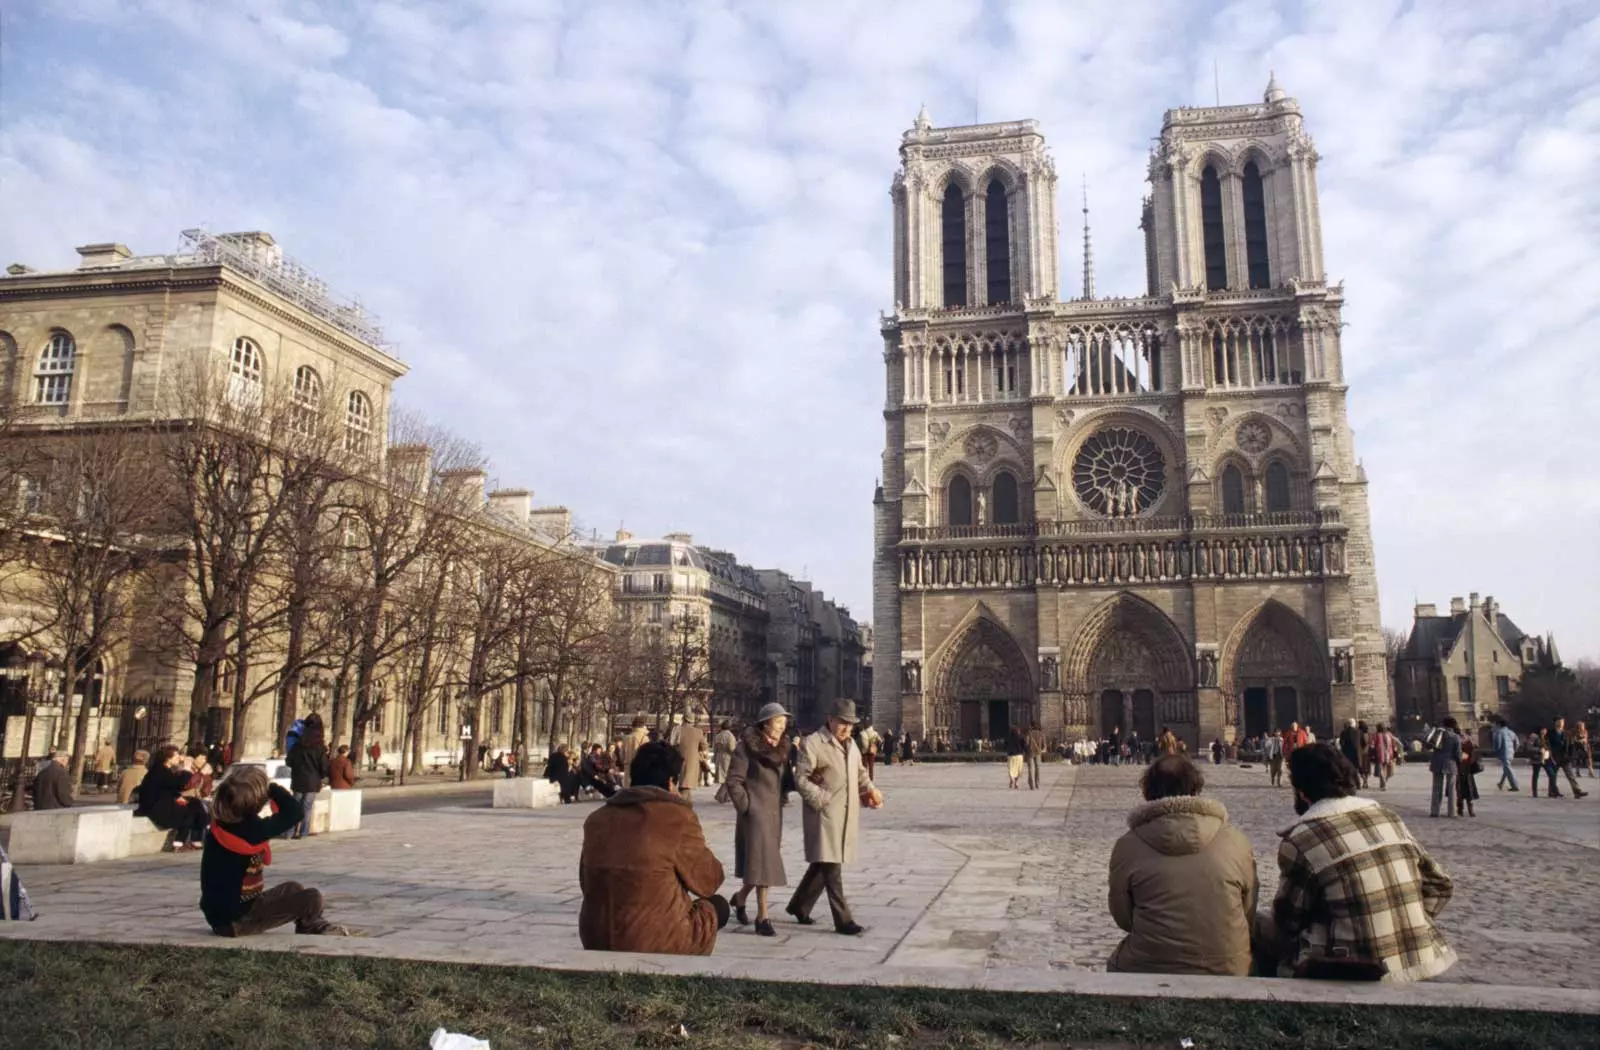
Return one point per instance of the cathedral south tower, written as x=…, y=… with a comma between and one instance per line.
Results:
x=1125, y=513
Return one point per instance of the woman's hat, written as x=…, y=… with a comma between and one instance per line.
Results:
x=771, y=711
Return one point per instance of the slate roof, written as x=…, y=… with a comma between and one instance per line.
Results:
x=1428, y=633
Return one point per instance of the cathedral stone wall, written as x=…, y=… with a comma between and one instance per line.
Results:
x=1121, y=513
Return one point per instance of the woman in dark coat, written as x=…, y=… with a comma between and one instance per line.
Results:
x=1467, y=777
x=161, y=799
x=755, y=787
x=309, y=767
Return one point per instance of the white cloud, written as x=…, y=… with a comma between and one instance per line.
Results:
x=637, y=251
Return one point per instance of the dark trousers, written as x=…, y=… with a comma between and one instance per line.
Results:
x=286, y=903
x=821, y=877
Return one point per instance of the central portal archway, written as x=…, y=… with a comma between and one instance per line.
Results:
x=983, y=686
x=1129, y=671
x=1275, y=674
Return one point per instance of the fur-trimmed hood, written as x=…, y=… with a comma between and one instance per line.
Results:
x=1178, y=825
x=755, y=742
x=644, y=794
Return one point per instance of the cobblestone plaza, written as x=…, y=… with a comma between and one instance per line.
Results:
x=961, y=882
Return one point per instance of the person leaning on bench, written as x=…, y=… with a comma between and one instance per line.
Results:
x=233, y=897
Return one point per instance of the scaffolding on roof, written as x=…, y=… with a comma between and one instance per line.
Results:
x=268, y=265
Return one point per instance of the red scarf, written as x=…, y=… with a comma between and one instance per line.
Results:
x=260, y=855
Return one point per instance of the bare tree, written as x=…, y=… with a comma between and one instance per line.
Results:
x=97, y=530
x=675, y=665
x=421, y=502
x=565, y=602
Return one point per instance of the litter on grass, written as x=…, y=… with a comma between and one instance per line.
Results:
x=443, y=1040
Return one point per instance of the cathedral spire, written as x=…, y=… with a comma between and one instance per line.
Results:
x=1088, y=250
x=923, y=122
x=1274, y=93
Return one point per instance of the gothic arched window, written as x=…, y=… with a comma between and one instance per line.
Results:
x=1211, y=224
x=1005, y=498
x=1255, y=227
x=959, y=511
x=1232, y=490
x=1277, y=487
x=358, y=422
x=997, y=238
x=953, y=220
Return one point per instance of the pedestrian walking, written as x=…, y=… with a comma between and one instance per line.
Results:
x=1272, y=751
x=1216, y=751
x=105, y=764
x=1445, y=765
x=834, y=786
x=1582, y=749
x=1036, y=746
x=755, y=787
x=1382, y=755
x=1350, y=744
x=637, y=737
x=1364, y=752
x=374, y=753
x=689, y=739
x=1467, y=777
x=870, y=742
x=308, y=768
x=722, y=748
x=1504, y=743
x=1562, y=754
x=1016, y=755
x=1539, y=761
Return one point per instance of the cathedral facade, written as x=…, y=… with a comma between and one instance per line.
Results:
x=1130, y=513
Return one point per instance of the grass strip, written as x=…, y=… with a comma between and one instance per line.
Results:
x=116, y=997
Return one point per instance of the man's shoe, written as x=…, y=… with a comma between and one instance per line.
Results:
x=1579, y=793
x=1515, y=788
x=803, y=920
x=850, y=929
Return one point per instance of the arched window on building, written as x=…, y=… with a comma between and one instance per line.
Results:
x=52, y=379
x=959, y=497
x=244, y=374
x=358, y=422
x=1005, y=499
x=1232, y=490
x=997, y=239
x=1278, y=498
x=953, y=223
x=1211, y=224
x=307, y=398
x=1255, y=228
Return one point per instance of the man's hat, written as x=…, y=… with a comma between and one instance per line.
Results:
x=844, y=711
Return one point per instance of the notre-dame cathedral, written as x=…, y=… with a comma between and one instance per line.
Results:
x=1120, y=512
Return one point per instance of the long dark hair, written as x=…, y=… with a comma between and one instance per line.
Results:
x=312, y=734
x=161, y=756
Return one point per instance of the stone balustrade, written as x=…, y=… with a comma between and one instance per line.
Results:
x=1155, y=524
x=1037, y=562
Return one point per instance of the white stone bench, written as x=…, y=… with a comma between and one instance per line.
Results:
x=89, y=834
x=525, y=793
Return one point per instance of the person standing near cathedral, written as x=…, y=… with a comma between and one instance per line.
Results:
x=1504, y=742
x=870, y=741
x=637, y=737
x=1036, y=745
x=834, y=787
x=1272, y=751
x=1383, y=750
x=1016, y=753
x=1561, y=758
x=690, y=740
x=1445, y=766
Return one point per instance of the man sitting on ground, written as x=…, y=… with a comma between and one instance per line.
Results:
x=1183, y=880
x=342, y=770
x=239, y=849
x=1357, y=896
x=642, y=850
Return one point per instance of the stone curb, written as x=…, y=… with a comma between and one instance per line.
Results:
x=1430, y=995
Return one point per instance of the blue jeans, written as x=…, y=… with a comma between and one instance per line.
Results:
x=1506, y=774
x=308, y=802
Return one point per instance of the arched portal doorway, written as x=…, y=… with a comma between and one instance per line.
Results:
x=983, y=686
x=1129, y=671
x=1275, y=674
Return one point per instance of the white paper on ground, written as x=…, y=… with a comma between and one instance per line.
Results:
x=443, y=1040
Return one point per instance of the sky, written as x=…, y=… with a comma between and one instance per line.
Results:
x=636, y=251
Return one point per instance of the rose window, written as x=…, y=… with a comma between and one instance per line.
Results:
x=1119, y=472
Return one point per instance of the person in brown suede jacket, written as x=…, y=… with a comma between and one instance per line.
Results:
x=649, y=880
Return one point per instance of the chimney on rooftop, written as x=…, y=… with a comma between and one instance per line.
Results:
x=1426, y=609
x=1491, y=608
x=468, y=482
x=1472, y=601
x=679, y=537
x=555, y=522
x=411, y=464
x=623, y=535
x=107, y=254
x=1457, y=606
x=511, y=504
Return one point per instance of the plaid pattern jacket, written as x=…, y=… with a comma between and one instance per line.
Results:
x=1354, y=885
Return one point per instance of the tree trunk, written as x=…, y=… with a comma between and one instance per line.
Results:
x=289, y=679
x=80, y=735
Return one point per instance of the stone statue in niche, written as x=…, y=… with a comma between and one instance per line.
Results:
x=911, y=676
x=983, y=508
x=1208, y=669
x=1049, y=674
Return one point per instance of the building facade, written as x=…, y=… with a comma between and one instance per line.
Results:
x=120, y=341
x=1467, y=664
x=1130, y=512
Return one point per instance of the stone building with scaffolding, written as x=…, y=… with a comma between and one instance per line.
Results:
x=1120, y=513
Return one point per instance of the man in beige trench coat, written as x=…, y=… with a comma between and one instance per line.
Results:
x=834, y=786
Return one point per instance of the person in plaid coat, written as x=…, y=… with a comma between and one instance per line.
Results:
x=1357, y=895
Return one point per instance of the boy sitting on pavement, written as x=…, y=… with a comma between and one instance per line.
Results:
x=232, y=894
